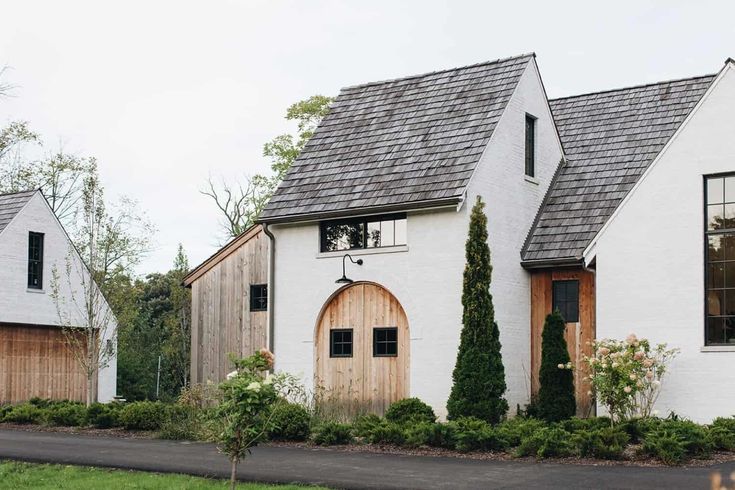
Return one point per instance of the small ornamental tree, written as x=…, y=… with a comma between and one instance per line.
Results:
x=479, y=376
x=246, y=407
x=556, y=393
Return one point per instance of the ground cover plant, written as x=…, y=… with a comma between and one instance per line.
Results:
x=52, y=477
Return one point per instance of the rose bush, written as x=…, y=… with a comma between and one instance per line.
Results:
x=626, y=375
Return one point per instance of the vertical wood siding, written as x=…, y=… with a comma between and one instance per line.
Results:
x=221, y=320
x=38, y=362
x=578, y=335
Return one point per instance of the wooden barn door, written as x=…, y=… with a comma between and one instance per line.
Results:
x=579, y=334
x=362, y=349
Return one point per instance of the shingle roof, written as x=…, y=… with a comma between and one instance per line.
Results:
x=609, y=139
x=11, y=204
x=399, y=143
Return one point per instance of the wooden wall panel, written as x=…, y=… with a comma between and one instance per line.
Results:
x=578, y=335
x=222, y=323
x=38, y=362
x=363, y=382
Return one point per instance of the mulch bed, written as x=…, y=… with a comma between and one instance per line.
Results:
x=631, y=456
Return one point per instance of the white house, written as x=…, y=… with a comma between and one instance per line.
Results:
x=600, y=205
x=35, y=358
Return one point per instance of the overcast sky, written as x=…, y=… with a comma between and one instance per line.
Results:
x=166, y=93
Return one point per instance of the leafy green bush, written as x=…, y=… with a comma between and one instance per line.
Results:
x=289, y=422
x=577, y=425
x=180, y=422
x=473, y=434
x=604, y=443
x=331, y=433
x=546, y=443
x=409, y=410
x=4, y=409
x=664, y=445
x=25, y=413
x=386, y=433
x=722, y=433
x=67, y=414
x=637, y=428
x=556, y=393
x=104, y=415
x=143, y=415
x=364, y=425
x=512, y=431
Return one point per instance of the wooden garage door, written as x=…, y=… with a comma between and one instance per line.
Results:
x=371, y=376
x=37, y=362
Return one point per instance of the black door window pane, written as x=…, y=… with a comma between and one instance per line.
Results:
x=385, y=342
x=565, y=298
x=258, y=297
x=340, y=342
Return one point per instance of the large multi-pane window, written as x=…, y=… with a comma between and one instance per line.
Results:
x=368, y=232
x=35, y=260
x=720, y=260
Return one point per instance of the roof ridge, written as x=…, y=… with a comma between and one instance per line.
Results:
x=631, y=87
x=426, y=74
x=27, y=191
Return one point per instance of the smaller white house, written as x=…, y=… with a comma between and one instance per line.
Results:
x=36, y=359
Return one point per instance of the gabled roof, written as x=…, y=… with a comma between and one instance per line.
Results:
x=398, y=144
x=11, y=204
x=609, y=138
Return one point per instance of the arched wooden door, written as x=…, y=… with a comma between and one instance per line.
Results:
x=362, y=349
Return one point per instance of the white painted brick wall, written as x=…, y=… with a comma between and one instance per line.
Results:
x=427, y=278
x=650, y=261
x=18, y=304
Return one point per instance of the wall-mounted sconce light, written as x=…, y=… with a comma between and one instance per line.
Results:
x=344, y=279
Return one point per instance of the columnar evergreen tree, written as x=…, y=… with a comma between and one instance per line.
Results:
x=556, y=392
x=479, y=376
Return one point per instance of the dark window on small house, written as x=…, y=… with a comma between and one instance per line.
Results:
x=385, y=342
x=719, y=235
x=530, y=145
x=369, y=232
x=566, y=299
x=258, y=297
x=340, y=342
x=35, y=260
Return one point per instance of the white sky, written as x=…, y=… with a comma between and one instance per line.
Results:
x=166, y=93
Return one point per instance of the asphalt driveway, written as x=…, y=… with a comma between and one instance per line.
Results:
x=339, y=469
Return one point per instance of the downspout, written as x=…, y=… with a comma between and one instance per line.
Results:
x=271, y=287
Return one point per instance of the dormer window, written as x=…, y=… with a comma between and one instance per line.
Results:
x=35, y=260
x=367, y=232
x=530, y=145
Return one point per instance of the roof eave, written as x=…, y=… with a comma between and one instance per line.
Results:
x=339, y=213
x=549, y=263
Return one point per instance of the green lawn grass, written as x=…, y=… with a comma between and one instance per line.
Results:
x=48, y=476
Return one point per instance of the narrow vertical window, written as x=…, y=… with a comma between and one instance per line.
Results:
x=719, y=263
x=565, y=298
x=258, y=297
x=530, y=145
x=35, y=260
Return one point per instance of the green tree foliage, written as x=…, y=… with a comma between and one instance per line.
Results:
x=479, y=375
x=556, y=393
x=240, y=204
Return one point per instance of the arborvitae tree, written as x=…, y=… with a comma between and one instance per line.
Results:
x=556, y=393
x=479, y=376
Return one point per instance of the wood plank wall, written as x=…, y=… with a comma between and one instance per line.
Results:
x=578, y=335
x=221, y=320
x=38, y=362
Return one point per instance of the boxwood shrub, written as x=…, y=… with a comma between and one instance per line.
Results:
x=289, y=422
x=145, y=415
x=331, y=433
x=409, y=410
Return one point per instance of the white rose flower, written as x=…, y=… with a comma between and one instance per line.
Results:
x=231, y=375
x=254, y=386
x=268, y=380
x=560, y=366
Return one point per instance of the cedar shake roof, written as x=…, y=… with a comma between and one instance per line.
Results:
x=10, y=206
x=609, y=138
x=398, y=144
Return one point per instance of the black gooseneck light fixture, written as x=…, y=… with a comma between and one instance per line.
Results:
x=344, y=279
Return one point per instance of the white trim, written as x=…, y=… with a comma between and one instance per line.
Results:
x=531, y=180
x=717, y=348
x=363, y=251
x=548, y=109
x=713, y=85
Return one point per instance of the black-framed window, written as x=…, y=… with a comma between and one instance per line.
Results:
x=367, y=232
x=258, y=297
x=35, y=260
x=719, y=235
x=565, y=298
x=340, y=342
x=530, y=145
x=385, y=342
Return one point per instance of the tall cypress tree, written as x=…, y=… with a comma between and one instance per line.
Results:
x=556, y=392
x=479, y=376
